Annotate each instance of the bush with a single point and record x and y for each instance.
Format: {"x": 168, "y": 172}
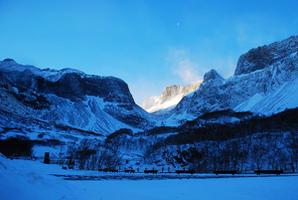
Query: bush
{"x": 16, "y": 147}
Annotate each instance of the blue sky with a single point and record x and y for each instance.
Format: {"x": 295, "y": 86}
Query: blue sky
{"x": 149, "y": 44}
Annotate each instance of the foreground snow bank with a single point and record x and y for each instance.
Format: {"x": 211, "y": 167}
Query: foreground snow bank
{"x": 22, "y": 179}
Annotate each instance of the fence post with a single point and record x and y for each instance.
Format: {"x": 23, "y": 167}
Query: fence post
{"x": 46, "y": 159}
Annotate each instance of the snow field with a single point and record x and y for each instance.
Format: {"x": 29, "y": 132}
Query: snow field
{"x": 23, "y": 179}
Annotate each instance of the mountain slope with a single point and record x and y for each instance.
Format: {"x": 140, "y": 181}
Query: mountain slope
{"x": 69, "y": 97}
{"x": 264, "y": 82}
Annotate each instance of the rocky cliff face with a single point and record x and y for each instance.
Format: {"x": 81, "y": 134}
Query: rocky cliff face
{"x": 265, "y": 81}
{"x": 69, "y": 98}
{"x": 169, "y": 97}
{"x": 67, "y": 83}
{"x": 264, "y": 56}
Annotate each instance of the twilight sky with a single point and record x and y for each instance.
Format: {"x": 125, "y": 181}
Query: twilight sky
{"x": 149, "y": 44}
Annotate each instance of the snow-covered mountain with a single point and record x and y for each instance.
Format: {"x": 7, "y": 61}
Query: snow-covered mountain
{"x": 169, "y": 98}
{"x": 55, "y": 108}
{"x": 265, "y": 81}
{"x": 66, "y": 98}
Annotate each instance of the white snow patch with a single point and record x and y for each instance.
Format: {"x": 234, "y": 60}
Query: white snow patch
{"x": 248, "y": 104}
{"x": 285, "y": 97}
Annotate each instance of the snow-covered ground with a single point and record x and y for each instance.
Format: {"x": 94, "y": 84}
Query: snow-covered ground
{"x": 23, "y": 179}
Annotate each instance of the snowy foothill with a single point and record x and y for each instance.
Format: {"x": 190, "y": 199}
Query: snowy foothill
{"x": 26, "y": 179}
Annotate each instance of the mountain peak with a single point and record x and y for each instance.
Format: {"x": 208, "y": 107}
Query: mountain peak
{"x": 264, "y": 56}
{"x": 212, "y": 75}
{"x": 169, "y": 97}
{"x": 8, "y": 62}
